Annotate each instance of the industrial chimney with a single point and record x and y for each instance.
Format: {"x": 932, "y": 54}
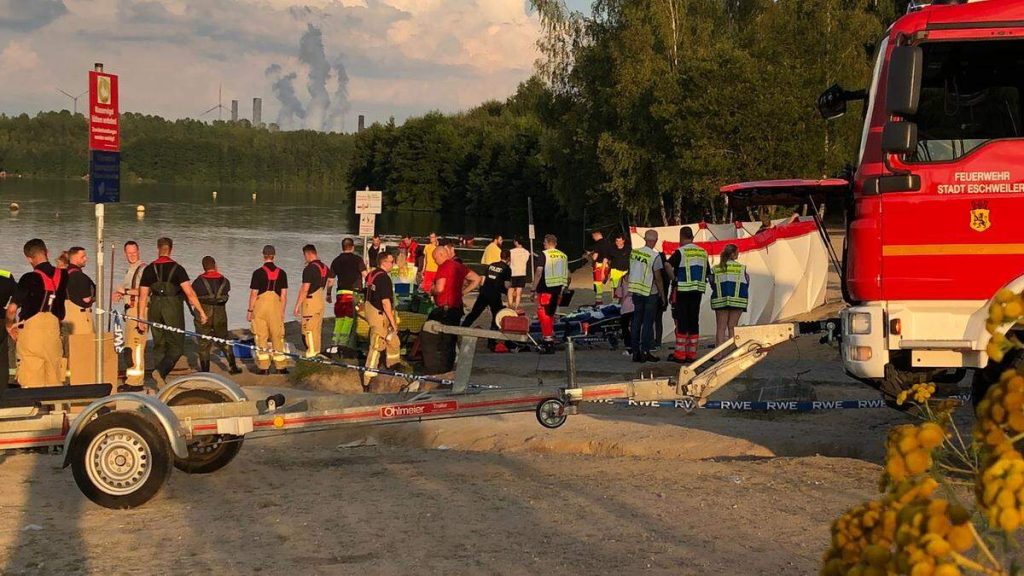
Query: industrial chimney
{"x": 362, "y": 123}
{"x": 234, "y": 111}
{"x": 257, "y": 112}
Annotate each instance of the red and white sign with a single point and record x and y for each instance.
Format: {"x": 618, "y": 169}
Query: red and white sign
{"x": 422, "y": 409}
{"x": 104, "y": 117}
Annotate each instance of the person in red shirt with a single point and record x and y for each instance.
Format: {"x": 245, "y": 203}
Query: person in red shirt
{"x": 453, "y": 281}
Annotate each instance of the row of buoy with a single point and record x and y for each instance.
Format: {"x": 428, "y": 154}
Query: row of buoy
{"x": 141, "y": 209}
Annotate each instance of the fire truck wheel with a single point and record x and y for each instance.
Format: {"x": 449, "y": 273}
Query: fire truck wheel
{"x": 897, "y": 380}
{"x": 984, "y": 378}
{"x": 551, "y": 413}
{"x": 207, "y": 453}
{"x": 120, "y": 459}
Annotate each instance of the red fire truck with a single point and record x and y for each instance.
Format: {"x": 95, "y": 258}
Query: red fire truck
{"x": 932, "y": 231}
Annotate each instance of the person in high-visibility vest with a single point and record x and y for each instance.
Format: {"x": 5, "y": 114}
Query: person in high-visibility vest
{"x": 646, "y": 286}
{"x": 730, "y": 293}
{"x": 552, "y": 273}
{"x": 690, "y": 263}
{"x": 7, "y": 287}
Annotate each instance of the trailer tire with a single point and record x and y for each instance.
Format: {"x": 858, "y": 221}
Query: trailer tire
{"x": 120, "y": 459}
{"x": 209, "y": 453}
{"x": 551, "y": 413}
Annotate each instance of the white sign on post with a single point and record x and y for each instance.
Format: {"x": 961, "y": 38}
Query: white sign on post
{"x": 367, "y": 224}
{"x": 369, "y": 201}
{"x": 533, "y": 232}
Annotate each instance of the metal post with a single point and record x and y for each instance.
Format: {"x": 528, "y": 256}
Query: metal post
{"x": 98, "y": 299}
{"x": 366, "y": 244}
{"x": 570, "y": 362}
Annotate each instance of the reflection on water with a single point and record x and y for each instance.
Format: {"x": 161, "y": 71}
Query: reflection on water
{"x": 233, "y": 227}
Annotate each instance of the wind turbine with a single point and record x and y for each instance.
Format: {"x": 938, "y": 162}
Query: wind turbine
{"x": 74, "y": 99}
{"x": 219, "y": 107}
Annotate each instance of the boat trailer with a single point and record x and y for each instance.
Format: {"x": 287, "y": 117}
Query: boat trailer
{"x": 122, "y": 447}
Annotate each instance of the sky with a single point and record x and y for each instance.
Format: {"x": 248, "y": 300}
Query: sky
{"x": 316, "y": 64}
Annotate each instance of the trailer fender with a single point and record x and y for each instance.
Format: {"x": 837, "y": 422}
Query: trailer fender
{"x": 206, "y": 381}
{"x": 157, "y": 409}
{"x": 976, "y": 325}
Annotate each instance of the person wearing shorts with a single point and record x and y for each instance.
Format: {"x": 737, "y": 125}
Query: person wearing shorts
{"x": 519, "y": 261}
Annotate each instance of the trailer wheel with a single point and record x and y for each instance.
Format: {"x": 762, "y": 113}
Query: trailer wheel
{"x": 551, "y": 413}
{"x": 120, "y": 459}
{"x": 207, "y": 453}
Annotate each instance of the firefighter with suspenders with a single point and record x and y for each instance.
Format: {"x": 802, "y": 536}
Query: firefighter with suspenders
{"x": 134, "y": 337}
{"x": 33, "y": 320}
{"x": 212, "y": 289}
{"x": 379, "y": 306}
{"x": 309, "y": 306}
{"x": 81, "y": 293}
{"x": 268, "y": 293}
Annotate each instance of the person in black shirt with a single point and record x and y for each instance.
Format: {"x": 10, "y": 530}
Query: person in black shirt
{"x": 212, "y": 290}
{"x": 349, "y": 270}
{"x": 163, "y": 289}
{"x": 496, "y": 281}
{"x": 598, "y": 253}
{"x": 268, "y": 294}
{"x": 33, "y": 319}
{"x": 81, "y": 293}
{"x": 374, "y": 251}
{"x": 7, "y": 288}
{"x": 309, "y": 306}
{"x": 380, "y": 315}
{"x": 618, "y": 260}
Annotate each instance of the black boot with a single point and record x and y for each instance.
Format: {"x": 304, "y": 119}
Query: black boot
{"x": 204, "y": 365}
{"x": 232, "y": 363}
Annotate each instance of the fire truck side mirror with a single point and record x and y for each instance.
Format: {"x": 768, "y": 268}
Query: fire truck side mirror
{"x": 832, "y": 102}
{"x": 903, "y": 92}
{"x": 899, "y": 137}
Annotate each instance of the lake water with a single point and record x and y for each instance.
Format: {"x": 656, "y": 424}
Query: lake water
{"x": 232, "y": 228}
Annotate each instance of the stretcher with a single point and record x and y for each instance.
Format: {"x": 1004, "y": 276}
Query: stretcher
{"x": 121, "y": 448}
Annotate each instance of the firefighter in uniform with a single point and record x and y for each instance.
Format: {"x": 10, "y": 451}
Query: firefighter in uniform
{"x": 212, "y": 289}
{"x": 81, "y": 294}
{"x": 646, "y": 288}
{"x": 7, "y": 289}
{"x": 309, "y": 306}
{"x": 380, "y": 315}
{"x": 690, "y": 263}
{"x": 33, "y": 320}
{"x": 134, "y": 335}
{"x": 552, "y": 278}
{"x": 730, "y": 293}
{"x": 163, "y": 289}
{"x": 268, "y": 293}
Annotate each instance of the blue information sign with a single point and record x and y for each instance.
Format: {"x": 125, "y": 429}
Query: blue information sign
{"x": 104, "y": 176}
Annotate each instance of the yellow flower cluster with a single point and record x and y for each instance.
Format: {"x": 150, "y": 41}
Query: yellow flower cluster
{"x": 1007, "y": 307}
{"x": 920, "y": 393}
{"x": 908, "y": 450}
{"x": 906, "y": 532}
{"x": 1000, "y": 488}
{"x": 1001, "y": 412}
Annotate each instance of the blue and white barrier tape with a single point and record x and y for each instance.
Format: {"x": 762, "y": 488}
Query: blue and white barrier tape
{"x": 771, "y": 406}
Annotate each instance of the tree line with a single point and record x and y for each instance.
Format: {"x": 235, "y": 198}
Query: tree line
{"x": 638, "y": 112}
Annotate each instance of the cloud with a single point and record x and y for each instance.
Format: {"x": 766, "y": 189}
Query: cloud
{"x": 372, "y": 57}
{"x": 28, "y": 15}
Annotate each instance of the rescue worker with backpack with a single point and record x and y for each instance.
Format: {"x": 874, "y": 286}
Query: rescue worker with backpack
{"x": 690, "y": 263}
{"x": 552, "y": 273}
{"x": 309, "y": 306}
{"x": 268, "y": 293}
{"x": 730, "y": 288}
{"x": 163, "y": 290}
{"x": 33, "y": 320}
{"x": 212, "y": 289}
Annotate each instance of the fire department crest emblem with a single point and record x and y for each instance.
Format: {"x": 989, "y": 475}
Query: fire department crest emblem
{"x": 980, "y": 220}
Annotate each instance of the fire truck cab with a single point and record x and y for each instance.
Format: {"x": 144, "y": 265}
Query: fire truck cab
{"x": 932, "y": 206}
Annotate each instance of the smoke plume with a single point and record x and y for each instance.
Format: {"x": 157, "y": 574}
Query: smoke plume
{"x": 320, "y": 113}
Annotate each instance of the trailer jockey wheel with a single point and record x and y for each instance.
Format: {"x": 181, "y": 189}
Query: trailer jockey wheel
{"x": 120, "y": 459}
{"x": 551, "y": 413}
{"x": 206, "y": 453}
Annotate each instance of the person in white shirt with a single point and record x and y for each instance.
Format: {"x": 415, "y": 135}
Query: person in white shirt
{"x": 520, "y": 260}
